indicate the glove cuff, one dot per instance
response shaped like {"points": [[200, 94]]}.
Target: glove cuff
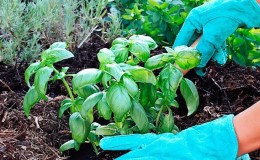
{"points": [[255, 4]]}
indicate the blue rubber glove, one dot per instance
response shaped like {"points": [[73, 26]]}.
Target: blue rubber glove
{"points": [[216, 21], [215, 140]]}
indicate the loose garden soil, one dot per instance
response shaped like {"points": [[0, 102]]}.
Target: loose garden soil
{"points": [[223, 90]]}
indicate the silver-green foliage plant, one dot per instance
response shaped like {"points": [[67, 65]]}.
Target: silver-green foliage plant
{"points": [[18, 32], [124, 89], [27, 28]]}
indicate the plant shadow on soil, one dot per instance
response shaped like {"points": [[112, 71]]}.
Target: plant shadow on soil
{"points": [[227, 89]]}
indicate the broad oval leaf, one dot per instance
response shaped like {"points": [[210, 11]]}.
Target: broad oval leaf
{"points": [[187, 57], [152, 93], [89, 103], [93, 138], [67, 145], [155, 62], [79, 127], [139, 116], [119, 101], [121, 53], [158, 61], [140, 74], [120, 40], [190, 94], [106, 56], [167, 123], [63, 108], [86, 77], [61, 45], [148, 40], [140, 50], [106, 131], [169, 80], [105, 78], [144, 91], [103, 108], [143, 75], [30, 71], [131, 87], [30, 99], [87, 90], [238, 41], [114, 70], [41, 79], [55, 55]]}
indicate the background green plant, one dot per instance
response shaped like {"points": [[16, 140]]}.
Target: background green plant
{"points": [[26, 28], [124, 90], [244, 47], [160, 19]]}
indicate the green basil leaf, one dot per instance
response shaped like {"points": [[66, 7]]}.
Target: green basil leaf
{"points": [[63, 108], [67, 145], [140, 50], [131, 87], [169, 80], [122, 41], [119, 101], [114, 70], [158, 61], [89, 103], [103, 108], [139, 116], [106, 131], [140, 74], [67, 100], [106, 56], [171, 51], [152, 95], [167, 123], [105, 78], [30, 99], [64, 69], [79, 127], [238, 41], [144, 92], [143, 75], [61, 45], [77, 104], [86, 77], [41, 79], [87, 90], [173, 103], [146, 39], [121, 52], [187, 57], [190, 94], [93, 137], [55, 55], [155, 62], [33, 68]]}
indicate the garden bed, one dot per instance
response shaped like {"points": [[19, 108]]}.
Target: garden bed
{"points": [[224, 90]]}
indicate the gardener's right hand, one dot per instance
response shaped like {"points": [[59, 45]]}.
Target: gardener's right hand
{"points": [[215, 140], [216, 20]]}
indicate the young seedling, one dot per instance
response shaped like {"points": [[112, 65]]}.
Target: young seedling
{"points": [[124, 89]]}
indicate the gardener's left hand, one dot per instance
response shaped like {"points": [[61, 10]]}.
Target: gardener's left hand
{"points": [[215, 140]]}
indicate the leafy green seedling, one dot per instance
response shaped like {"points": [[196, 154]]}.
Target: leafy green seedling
{"points": [[124, 90]]}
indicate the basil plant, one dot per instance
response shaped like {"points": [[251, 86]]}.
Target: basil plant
{"points": [[124, 90]]}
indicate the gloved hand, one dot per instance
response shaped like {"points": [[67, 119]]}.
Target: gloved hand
{"points": [[216, 21], [215, 140]]}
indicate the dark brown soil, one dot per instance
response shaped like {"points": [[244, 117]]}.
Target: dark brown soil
{"points": [[224, 90]]}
